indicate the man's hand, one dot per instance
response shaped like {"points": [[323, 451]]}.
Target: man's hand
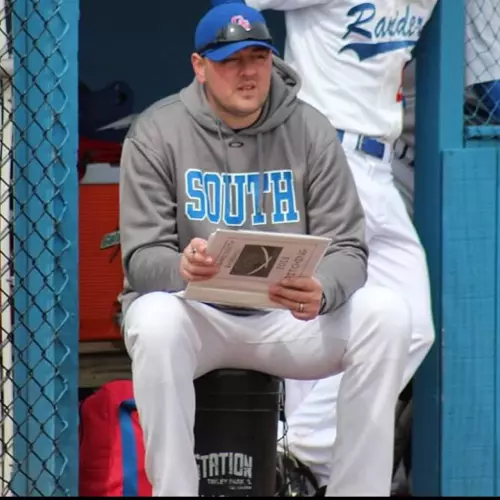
{"points": [[196, 265], [301, 295]]}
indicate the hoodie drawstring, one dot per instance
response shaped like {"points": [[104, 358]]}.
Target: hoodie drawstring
{"points": [[260, 164], [224, 147]]}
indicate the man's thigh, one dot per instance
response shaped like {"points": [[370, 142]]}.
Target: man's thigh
{"points": [[274, 343], [281, 345], [159, 326], [289, 348]]}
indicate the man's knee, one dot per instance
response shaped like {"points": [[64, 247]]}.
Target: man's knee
{"points": [[387, 315], [154, 322]]}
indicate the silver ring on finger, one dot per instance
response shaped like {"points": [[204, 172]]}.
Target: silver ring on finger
{"points": [[300, 307]]}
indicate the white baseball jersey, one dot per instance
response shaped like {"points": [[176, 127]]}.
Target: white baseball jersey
{"points": [[351, 56], [482, 45]]}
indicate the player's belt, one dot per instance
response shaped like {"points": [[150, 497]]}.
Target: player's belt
{"points": [[368, 145]]}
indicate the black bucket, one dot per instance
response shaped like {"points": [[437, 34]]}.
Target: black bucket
{"points": [[235, 430]]}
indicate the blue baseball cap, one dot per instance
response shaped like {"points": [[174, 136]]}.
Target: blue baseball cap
{"points": [[229, 28]]}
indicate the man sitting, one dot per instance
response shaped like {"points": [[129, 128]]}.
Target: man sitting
{"points": [[279, 167]]}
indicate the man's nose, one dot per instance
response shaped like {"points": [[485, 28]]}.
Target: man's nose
{"points": [[248, 67]]}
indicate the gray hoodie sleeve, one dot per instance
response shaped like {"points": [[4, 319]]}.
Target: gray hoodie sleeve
{"points": [[148, 232], [334, 210]]}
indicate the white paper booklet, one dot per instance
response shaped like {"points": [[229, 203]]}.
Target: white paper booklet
{"points": [[252, 260]]}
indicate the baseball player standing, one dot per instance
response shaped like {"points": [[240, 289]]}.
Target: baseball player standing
{"points": [[238, 133], [350, 55]]}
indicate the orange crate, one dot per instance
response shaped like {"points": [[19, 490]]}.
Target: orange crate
{"points": [[101, 276]]}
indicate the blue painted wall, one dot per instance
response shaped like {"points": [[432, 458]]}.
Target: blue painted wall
{"points": [[148, 48], [456, 391]]}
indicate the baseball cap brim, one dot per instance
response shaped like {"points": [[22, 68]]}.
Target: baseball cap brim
{"points": [[221, 53]]}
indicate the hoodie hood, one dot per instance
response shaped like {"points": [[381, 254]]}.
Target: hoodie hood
{"points": [[281, 102]]}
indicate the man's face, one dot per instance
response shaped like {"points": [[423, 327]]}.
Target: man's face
{"points": [[239, 85]]}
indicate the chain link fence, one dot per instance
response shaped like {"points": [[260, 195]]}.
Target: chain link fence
{"points": [[38, 241], [482, 70]]}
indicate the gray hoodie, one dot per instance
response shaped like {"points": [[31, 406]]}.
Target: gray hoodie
{"points": [[184, 173]]}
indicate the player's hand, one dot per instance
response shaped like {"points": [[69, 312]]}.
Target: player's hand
{"points": [[302, 296], [196, 264]]}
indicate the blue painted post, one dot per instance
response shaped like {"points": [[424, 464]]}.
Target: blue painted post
{"points": [[456, 216], [45, 37], [66, 279]]}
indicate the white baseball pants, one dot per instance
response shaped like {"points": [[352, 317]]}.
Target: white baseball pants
{"points": [[172, 341], [397, 261]]}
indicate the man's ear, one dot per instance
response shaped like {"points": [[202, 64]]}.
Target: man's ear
{"points": [[199, 65]]}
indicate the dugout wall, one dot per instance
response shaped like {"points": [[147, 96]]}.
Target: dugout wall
{"points": [[456, 391]]}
